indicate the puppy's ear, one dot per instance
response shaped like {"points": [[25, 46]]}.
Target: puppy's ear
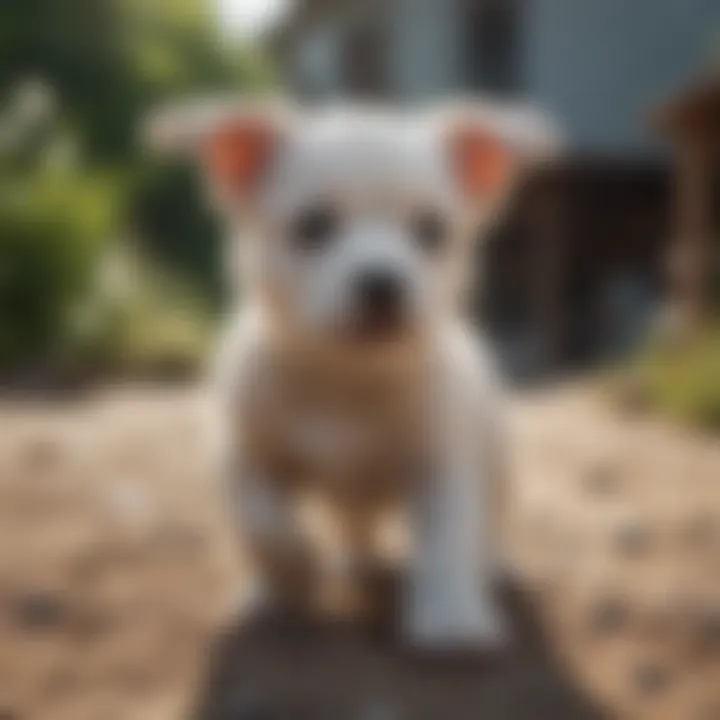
{"points": [[491, 147], [234, 143], [482, 162], [237, 154]]}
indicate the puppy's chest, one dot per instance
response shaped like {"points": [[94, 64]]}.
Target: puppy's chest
{"points": [[335, 437], [343, 439]]}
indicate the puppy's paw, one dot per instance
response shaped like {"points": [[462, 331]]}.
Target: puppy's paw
{"points": [[273, 616], [505, 578], [261, 607], [381, 599], [449, 630]]}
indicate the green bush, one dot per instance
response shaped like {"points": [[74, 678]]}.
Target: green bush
{"points": [[62, 225], [52, 229], [681, 382], [77, 78], [139, 320], [170, 217], [685, 383]]}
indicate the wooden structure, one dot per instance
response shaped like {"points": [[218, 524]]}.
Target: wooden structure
{"points": [[691, 121], [579, 227]]}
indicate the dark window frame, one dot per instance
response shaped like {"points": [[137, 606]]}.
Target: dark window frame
{"points": [[494, 46]]}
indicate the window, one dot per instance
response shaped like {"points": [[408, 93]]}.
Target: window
{"points": [[493, 46], [364, 61]]}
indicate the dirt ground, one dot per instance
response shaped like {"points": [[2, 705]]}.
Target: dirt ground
{"points": [[117, 570]]}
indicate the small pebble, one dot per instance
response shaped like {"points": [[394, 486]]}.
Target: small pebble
{"points": [[711, 627], [705, 627], [650, 679], [609, 616], [38, 611]]}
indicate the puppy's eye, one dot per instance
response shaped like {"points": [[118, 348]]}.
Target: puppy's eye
{"points": [[430, 230], [315, 227]]}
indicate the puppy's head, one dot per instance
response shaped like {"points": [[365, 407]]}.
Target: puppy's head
{"points": [[357, 228]]}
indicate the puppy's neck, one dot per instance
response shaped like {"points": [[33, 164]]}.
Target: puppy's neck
{"points": [[343, 365]]}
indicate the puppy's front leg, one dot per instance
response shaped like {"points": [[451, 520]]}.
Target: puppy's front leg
{"points": [[255, 480], [281, 577], [450, 602], [281, 560]]}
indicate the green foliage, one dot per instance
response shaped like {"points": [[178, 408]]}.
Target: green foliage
{"points": [[50, 233], [54, 218], [685, 383], [108, 61], [168, 212], [681, 382], [77, 78], [139, 320]]}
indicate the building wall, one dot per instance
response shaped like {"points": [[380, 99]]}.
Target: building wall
{"points": [[595, 65], [314, 67], [598, 65], [425, 54]]}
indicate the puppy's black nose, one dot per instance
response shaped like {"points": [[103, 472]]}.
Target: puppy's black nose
{"points": [[380, 294]]}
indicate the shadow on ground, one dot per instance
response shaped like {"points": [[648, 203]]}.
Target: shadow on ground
{"points": [[334, 673]]}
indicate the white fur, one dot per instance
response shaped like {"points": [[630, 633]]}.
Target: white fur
{"points": [[450, 601], [282, 372], [377, 171]]}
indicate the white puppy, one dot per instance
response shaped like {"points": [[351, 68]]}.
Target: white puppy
{"points": [[348, 369]]}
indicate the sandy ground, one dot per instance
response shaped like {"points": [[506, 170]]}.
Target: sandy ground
{"points": [[117, 568]]}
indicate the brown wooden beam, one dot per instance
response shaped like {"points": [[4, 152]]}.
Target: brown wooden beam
{"points": [[691, 261]]}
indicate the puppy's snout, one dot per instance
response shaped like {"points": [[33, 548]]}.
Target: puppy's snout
{"points": [[380, 294]]}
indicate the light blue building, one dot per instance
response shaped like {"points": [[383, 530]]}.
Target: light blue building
{"points": [[596, 65]]}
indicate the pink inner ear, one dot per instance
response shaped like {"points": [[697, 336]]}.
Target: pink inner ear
{"points": [[481, 161], [238, 154]]}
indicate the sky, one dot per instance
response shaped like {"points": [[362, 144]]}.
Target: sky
{"points": [[248, 18]]}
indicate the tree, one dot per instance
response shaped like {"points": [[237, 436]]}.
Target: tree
{"points": [[106, 63]]}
